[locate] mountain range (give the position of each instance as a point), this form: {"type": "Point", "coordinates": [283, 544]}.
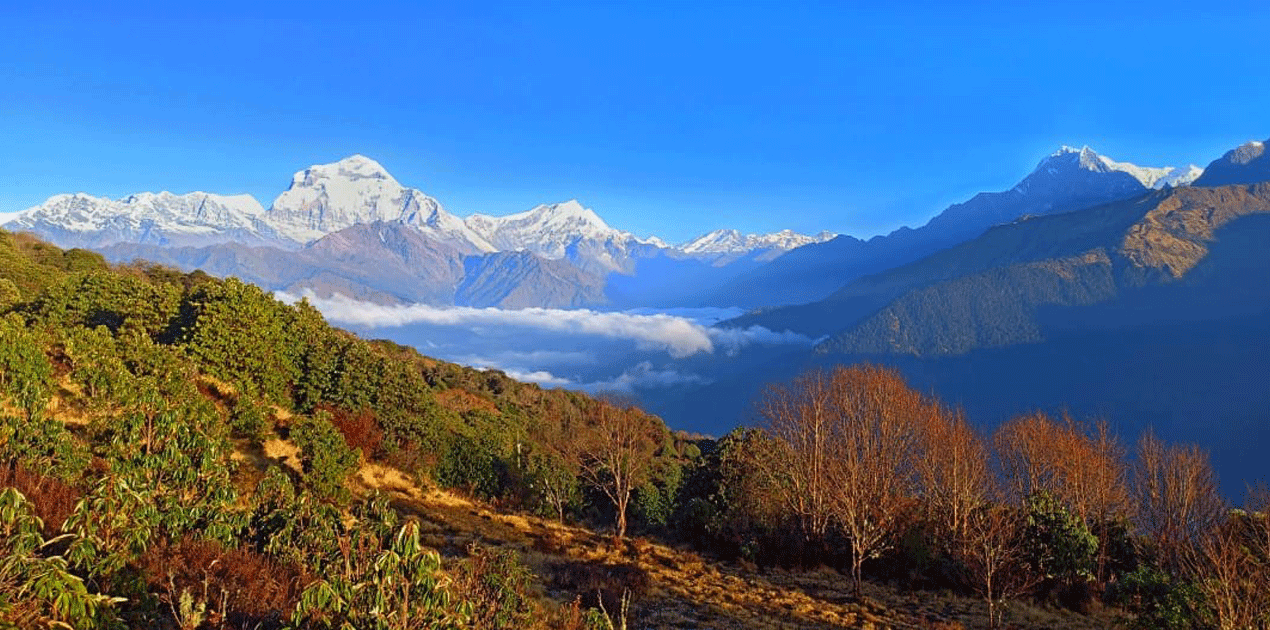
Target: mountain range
{"type": "Point", "coordinates": [1067, 180]}
{"type": "Point", "coordinates": [350, 227]}
{"type": "Point", "coordinates": [335, 230]}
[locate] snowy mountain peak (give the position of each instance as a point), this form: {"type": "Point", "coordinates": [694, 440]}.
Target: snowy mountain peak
{"type": "Point", "coordinates": [546, 229]}
{"type": "Point", "coordinates": [326, 198]}
{"type": "Point", "coordinates": [1087, 159]}
{"type": "Point", "coordinates": [733, 242]}
{"type": "Point", "coordinates": [1083, 158]}
{"type": "Point", "coordinates": [570, 212]}
{"type": "Point", "coordinates": [163, 218]}
{"type": "Point", "coordinates": [1156, 177]}
{"type": "Point", "coordinates": [352, 168]}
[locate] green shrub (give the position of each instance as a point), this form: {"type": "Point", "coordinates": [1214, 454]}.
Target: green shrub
{"type": "Point", "coordinates": [471, 465]}
{"type": "Point", "coordinates": [250, 418]}
{"type": "Point", "coordinates": [497, 586]}
{"type": "Point", "coordinates": [1060, 545]}
{"type": "Point", "coordinates": [1157, 600]}
{"type": "Point", "coordinates": [401, 587]}
{"type": "Point", "coordinates": [37, 589]}
{"type": "Point", "coordinates": [25, 372]}
{"type": "Point", "coordinates": [326, 458]}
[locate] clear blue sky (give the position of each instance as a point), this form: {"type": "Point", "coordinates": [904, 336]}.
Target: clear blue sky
{"type": "Point", "coordinates": [670, 118]}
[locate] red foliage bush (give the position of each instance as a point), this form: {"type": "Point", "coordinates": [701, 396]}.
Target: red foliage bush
{"type": "Point", "coordinates": [360, 429]}
{"type": "Point", "coordinates": [54, 501]}
{"type": "Point", "coordinates": [239, 587]}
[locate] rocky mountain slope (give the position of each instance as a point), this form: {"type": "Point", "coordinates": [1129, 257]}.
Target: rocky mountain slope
{"type": "Point", "coordinates": [990, 292]}
{"type": "Point", "coordinates": [1245, 164]}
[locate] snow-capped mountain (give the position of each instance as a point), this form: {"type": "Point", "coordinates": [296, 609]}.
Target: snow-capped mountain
{"type": "Point", "coordinates": [166, 219]}
{"type": "Point", "coordinates": [356, 190]}
{"type": "Point", "coordinates": [1066, 180]}
{"type": "Point", "coordinates": [1148, 176]}
{"type": "Point", "coordinates": [564, 230]}
{"type": "Point", "coordinates": [734, 242]}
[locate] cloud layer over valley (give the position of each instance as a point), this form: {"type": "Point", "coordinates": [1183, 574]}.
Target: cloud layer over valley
{"type": "Point", "coordinates": [676, 335]}
{"type": "Point", "coordinates": [595, 351]}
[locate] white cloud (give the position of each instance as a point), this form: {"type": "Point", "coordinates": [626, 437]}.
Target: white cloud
{"type": "Point", "coordinates": [644, 376]}
{"type": "Point", "coordinates": [531, 357]}
{"type": "Point", "coordinates": [733, 339]}
{"type": "Point", "coordinates": [541, 377]}
{"type": "Point", "coordinates": [700, 314]}
{"type": "Point", "coordinates": [677, 336]}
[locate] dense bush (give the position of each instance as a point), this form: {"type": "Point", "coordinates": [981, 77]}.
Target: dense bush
{"type": "Point", "coordinates": [25, 372]}
{"type": "Point", "coordinates": [326, 458]}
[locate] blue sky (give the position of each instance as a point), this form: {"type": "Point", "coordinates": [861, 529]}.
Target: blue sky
{"type": "Point", "coordinates": [668, 118]}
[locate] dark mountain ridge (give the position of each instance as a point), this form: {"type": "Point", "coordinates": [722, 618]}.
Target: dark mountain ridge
{"type": "Point", "coordinates": [986, 293]}
{"type": "Point", "coordinates": [1065, 181]}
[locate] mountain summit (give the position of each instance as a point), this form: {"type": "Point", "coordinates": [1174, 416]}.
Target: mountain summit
{"type": "Point", "coordinates": [1068, 179]}
{"type": "Point", "coordinates": [566, 230]}
{"type": "Point", "coordinates": [546, 229]}
{"type": "Point", "coordinates": [1089, 160]}
{"type": "Point", "coordinates": [326, 198]}
{"type": "Point", "coordinates": [725, 245]}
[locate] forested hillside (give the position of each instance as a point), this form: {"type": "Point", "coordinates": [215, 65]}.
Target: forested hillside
{"type": "Point", "coordinates": [129, 393]}
{"type": "Point", "coordinates": [178, 451]}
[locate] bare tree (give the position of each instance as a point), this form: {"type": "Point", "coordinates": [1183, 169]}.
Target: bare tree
{"type": "Point", "coordinates": [1176, 495]}
{"type": "Point", "coordinates": [877, 419]}
{"type": "Point", "coordinates": [1230, 569]}
{"type": "Point", "coordinates": [953, 471]}
{"type": "Point", "coordinates": [798, 416]}
{"type": "Point", "coordinates": [617, 452]}
{"type": "Point", "coordinates": [991, 552]}
{"type": "Point", "coordinates": [847, 441]}
{"type": "Point", "coordinates": [1082, 465]}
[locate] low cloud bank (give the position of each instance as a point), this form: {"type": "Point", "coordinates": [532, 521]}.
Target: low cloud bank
{"type": "Point", "coordinates": [641, 376]}
{"type": "Point", "coordinates": [676, 335]}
